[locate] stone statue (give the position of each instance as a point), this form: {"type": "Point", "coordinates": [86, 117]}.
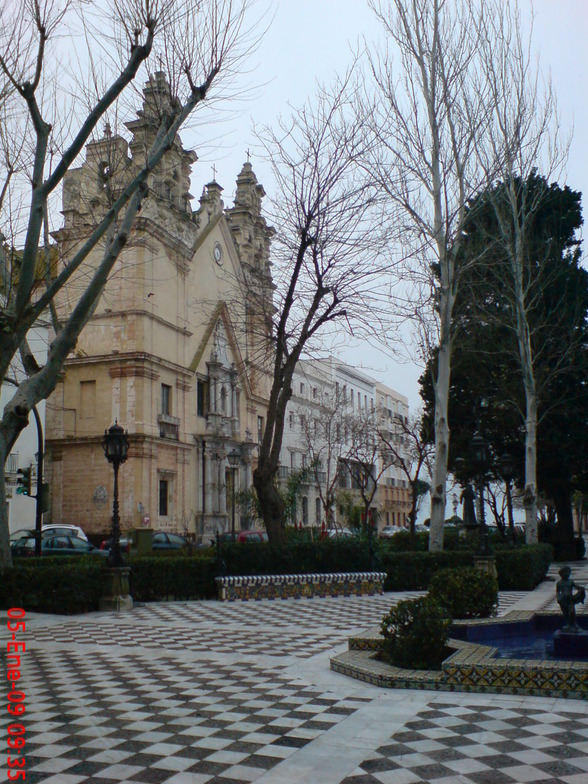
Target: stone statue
{"type": "Point", "coordinates": [569, 594]}
{"type": "Point", "coordinates": [468, 498]}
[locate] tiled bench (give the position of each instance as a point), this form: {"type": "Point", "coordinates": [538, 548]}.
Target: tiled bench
{"type": "Point", "coordinates": [288, 586]}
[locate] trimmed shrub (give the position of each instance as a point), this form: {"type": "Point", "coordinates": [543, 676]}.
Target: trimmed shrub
{"type": "Point", "coordinates": [465, 593]}
{"type": "Point", "coordinates": [415, 634]}
{"type": "Point", "coordinates": [60, 585]}
{"type": "Point", "coordinates": [522, 568]}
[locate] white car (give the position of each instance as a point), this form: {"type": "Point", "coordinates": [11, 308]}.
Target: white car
{"type": "Point", "coordinates": [62, 529]}
{"type": "Point", "coordinates": [340, 532]}
{"type": "Point", "coordinates": [390, 530]}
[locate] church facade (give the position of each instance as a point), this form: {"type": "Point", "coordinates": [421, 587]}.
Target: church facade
{"type": "Point", "coordinates": [176, 350]}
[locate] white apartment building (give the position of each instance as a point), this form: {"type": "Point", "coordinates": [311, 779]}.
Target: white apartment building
{"type": "Point", "coordinates": [335, 409]}
{"type": "Point", "coordinates": [393, 490]}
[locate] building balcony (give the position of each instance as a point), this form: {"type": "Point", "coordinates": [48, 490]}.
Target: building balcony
{"type": "Point", "coordinates": [169, 427]}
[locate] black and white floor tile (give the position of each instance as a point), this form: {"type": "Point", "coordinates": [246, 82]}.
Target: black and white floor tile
{"type": "Point", "coordinates": [209, 693]}
{"type": "Point", "coordinates": [447, 744]}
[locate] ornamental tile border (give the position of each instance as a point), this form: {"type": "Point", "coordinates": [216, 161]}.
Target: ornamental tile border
{"type": "Point", "coordinates": [296, 586]}
{"type": "Point", "coordinates": [471, 668]}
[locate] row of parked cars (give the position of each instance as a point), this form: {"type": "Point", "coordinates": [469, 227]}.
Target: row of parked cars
{"type": "Point", "coordinates": [71, 540]}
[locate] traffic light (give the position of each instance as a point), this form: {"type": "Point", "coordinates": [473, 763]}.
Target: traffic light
{"type": "Point", "coordinates": [24, 481]}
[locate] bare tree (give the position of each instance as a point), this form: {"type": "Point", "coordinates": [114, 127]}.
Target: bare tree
{"type": "Point", "coordinates": [366, 461]}
{"type": "Point", "coordinates": [524, 130]}
{"type": "Point", "coordinates": [323, 429]}
{"type": "Point", "coordinates": [406, 448]}
{"type": "Point", "coordinates": [325, 255]}
{"type": "Point", "coordinates": [434, 147]}
{"type": "Point", "coordinates": [49, 111]}
{"type": "Point", "coordinates": [424, 118]}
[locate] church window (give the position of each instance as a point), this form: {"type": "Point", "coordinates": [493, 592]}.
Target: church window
{"type": "Point", "coordinates": [163, 497]}
{"type": "Point", "coordinates": [166, 391]}
{"type": "Point", "coordinates": [202, 398]}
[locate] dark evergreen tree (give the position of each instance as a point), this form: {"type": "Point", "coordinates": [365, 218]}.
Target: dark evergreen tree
{"type": "Point", "coordinates": [485, 359]}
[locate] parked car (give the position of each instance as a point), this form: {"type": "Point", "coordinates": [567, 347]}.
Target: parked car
{"type": "Point", "coordinates": [340, 533]}
{"type": "Point", "coordinates": [52, 529]}
{"type": "Point", "coordinates": [390, 530]}
{"type": "Point", "coordinates": [63, 529]}
{"type": "Point", "coordinates": [55, 545]}
{"type": "Point", "coordinates": [22, 533]}
{"type": "Point", "coordinates": [162, 540]}
{"type": "Point", "coordinates": [244, 536]}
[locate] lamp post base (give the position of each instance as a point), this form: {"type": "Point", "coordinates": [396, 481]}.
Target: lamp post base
{"type": "Point", "coordinates": [115, 589]}
{"type": "Point", "coordinates": [486, 563]}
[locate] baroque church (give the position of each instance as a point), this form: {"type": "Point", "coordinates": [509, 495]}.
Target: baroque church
{"type": "Point", "coordinates": [176, 351]}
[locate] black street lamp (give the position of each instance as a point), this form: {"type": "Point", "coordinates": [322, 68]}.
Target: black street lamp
{"type": "Point", "coordinates": [234, 459]}
{"type": "Point", "coordinates": [507, 471]}
{"type": "Point", "coordinates": [479, 454]}
{"type": "Point", "coordinates": [116, 446]}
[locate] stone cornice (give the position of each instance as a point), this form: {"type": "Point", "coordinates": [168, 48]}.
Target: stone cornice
{"type": "Point", "coordinates": [130, 359]}
{"type": "Point", "coordinates": [178, 247]}
{"type": "Point", "coordinates": [140, 445]}
{"type": "Point", "coordinates": [117, 314]}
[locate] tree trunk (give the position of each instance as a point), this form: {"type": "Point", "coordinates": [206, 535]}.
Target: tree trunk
{"type": "Point", "coordinates": [439, 473]}
{"type": "Point", "coordinates": [530, 496]}
{"type": "Point", "coordinates": [562, 500]}
{"type": "Point", "coordinates": [271, 503]}
{"type": "Point", "coordinates": [412, 514]}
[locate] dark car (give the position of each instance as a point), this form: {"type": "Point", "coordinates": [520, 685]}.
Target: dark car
{"type": "Point", "coordinates": [56, 545]}
{"type": "Point", "coordinates": [162, 540]}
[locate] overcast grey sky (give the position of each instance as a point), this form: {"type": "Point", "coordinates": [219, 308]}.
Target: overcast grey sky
{"type": "Point", "coordinates": [310, 40]}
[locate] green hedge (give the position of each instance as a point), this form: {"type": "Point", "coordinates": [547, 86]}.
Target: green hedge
{"type": "Point", "coordinates": [155, 578]}
{"type": "Point", "coordinates": [53, 585]}
{"type": "Point", "coordinates": [522, 568]}
{"type": "Point", "coordinates": [413, 571]}
{"type": "Point", "coordinates": [401, 542]}
{"type": "Point", "coordinates": [296, 557]}
{"type": "Point", "coordinates": [70, 585]}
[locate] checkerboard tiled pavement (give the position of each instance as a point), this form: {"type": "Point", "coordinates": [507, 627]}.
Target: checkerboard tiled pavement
{"type": "Point", "coordinates": [480, 744]}
{"type": "Point", "coordinates": [210, 693]}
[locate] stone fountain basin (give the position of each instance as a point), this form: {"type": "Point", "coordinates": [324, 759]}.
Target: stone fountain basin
{"type": "Point", "coordinates": [485, 663]}
{"type": "Point", "coordinates": [525, 638]}
{"type": "Point", "coordinates": [474, 666]}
